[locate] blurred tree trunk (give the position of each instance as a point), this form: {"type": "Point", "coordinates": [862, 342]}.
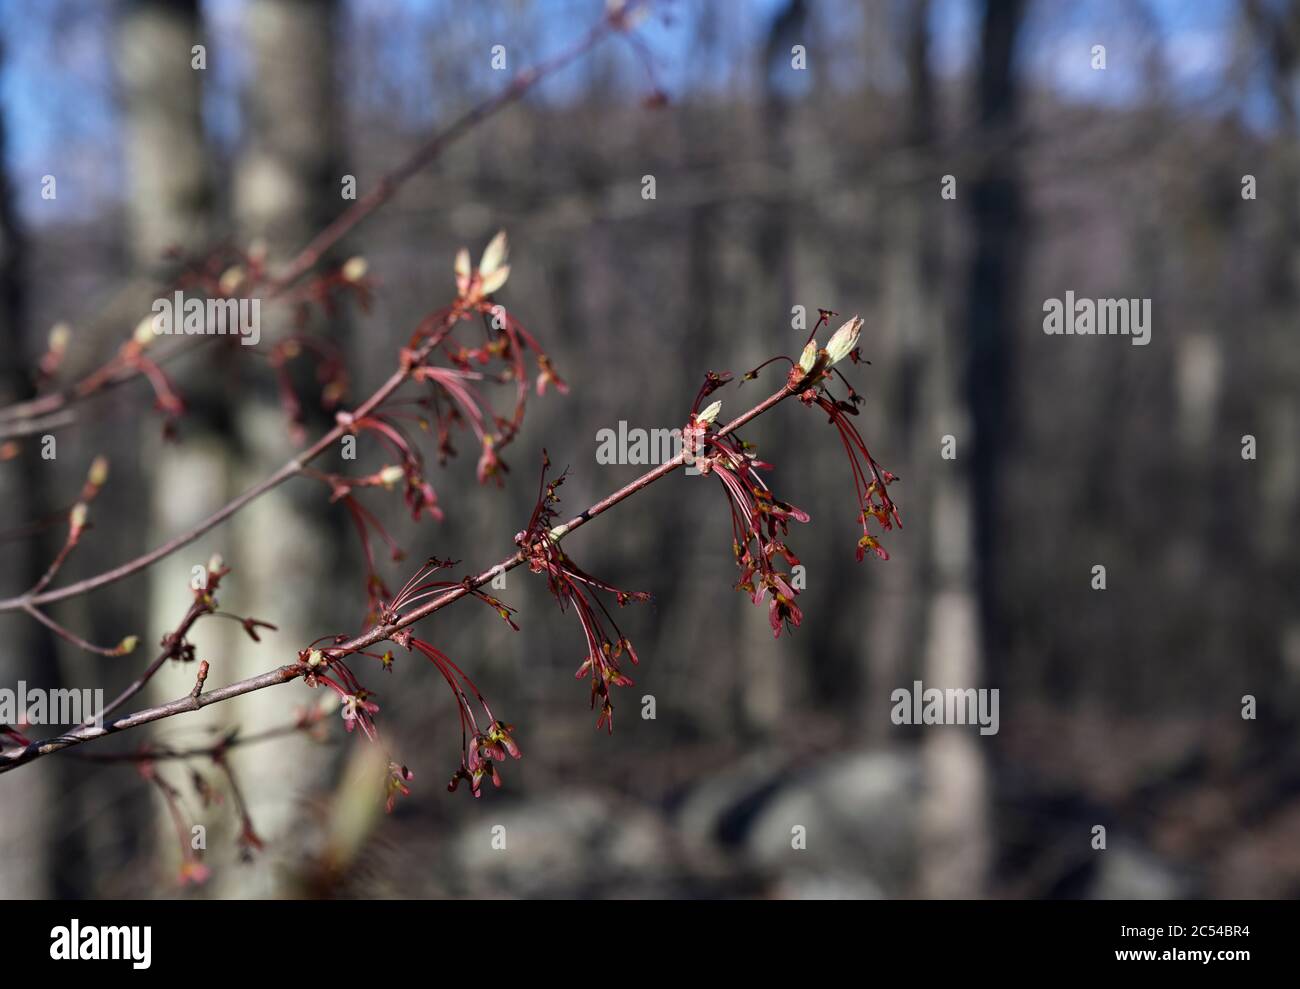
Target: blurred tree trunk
{"type": "Point", "coordinates": [1277, 27]}
{"type": "Point", "coordinates": [170, 220]}
{"type": "Point", "coordinates": [962, 641]}
{"type": "Point", "coordinates": [170, 209]}
{"type": "Point", "coordinates": [286, 546]}
{"type": "Point", "coordinates": [766, 694]}
{"type": "Point", "coordinates": [1273, 360]}
{"type": "Point", "coordinates": [911, 345]}
{"type": "Point", "coordinates": [26, 841]}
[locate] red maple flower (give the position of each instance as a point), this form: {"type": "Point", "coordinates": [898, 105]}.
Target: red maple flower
{"type": "Point", "coordinates": [810, 378]}
{"type": "Point", "coordinates": [759, 520]}
{"type": "Point", "coordinates": [356, 705]}
{"type": "Point", "coordinates": [573, 587]}
{"type": "Point", "coordinates": [483, 744]}
{"type": "Point", "coordinates": [870, 480]}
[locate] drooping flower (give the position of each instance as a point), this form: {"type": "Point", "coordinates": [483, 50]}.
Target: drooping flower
{"type": "Point", "coordinates": [192, 868]}
{"type": "Point", "coordinates": [870, 480]}
{"type": "Point", "coordinates": [355, 704]}
{"type": "Point", "coordinates": [572, 587]}
{"type": "Point", "coordinates": [810, 378]}
{"type": "Point", "coordinates": [483, 743]}
{"type": "Point", "coordinates": [759, 520]}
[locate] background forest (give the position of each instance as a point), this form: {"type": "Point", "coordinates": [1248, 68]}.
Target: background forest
{"type": "Point", "coordinates": [775, 187]}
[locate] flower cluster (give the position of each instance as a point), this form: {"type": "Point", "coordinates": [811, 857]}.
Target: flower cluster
{"type": "Point", "coordinates": [419, 494]}
{"type": "Point", "coordinates": [235, 274]}
{"type": "Point", "coordinates": [483, 743]}
{"type": "Point", "coordinates": [499, 358]}
{"type": "Point", "coordinates": [455, 375]}
{"type": "Point", "coordinates": [356, 704]}
{"type": "Point", "coordinates": [811, 380]}
{"type": "Point", "coordinates": [485, 739]}
{"type": "Point", "coordinates": [573, 587]}
{"type": "Point", "coordinates": [759, 520]}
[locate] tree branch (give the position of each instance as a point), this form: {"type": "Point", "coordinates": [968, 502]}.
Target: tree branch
{"type": "Point", "coordinates": [26, 602]}
{"type": "Point", "coordinates": [376, 633]}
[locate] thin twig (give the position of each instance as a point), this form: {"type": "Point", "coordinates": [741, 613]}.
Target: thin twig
{"type": "Point", "coordinates": [171, 644]}
{"type": "Point", "coordinates": [290, 469]}
{"type": "Point", "coordinates": [69, 636]}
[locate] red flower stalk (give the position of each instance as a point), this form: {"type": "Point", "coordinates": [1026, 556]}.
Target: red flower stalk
{"type": "Point", "coordinates": [365, 522]}
{"type": "Point", "coordinates": [357, 707]}
{"type": "Point", "coordinates": [466, 407]}
{"type": "Point", "coordinates": [248, 839]}
{"type": "Point", "coordinates": [166, 399]}
{"type": "Point", "coordinates": [870, 480]}
{"type": "Point", "coordinates": [809, 377]}
{"type": "Point", "coordinates": [572, 586]}
{"type": "Point", "coordinates": [209, 795]}
{"type": "Point", "coordinates": [419, 494]}
{"type": "Point", "coordinates": [420, 587]}
{"type": "Point", "coordinates": [482, 747]}
{"type": "Point", "coordinates": [759, 521]}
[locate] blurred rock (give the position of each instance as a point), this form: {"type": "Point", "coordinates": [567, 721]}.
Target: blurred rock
{"type": "Point", "coordinates": [1127, 872]}
{"type": "Point", "coordinates": [825, 886]}
{"type": "Point", "coordinates": [857, 813]}
{"type": "Point", "coordinates": [714, 812]}
{"type": "Point", "coordinates": [572, 844]}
